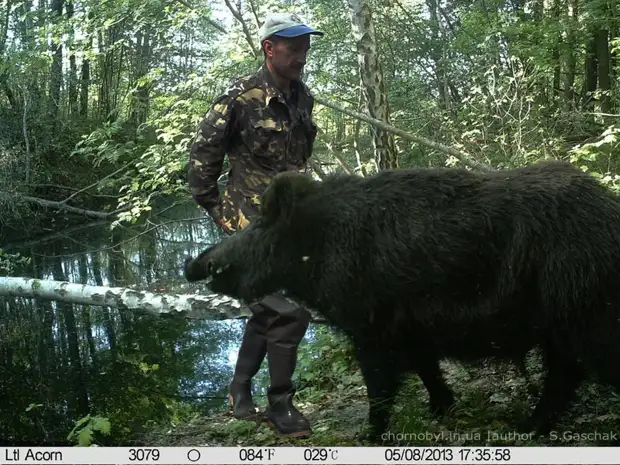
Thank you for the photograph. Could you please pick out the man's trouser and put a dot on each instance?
(276, 328)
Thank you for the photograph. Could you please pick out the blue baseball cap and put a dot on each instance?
(285, 25)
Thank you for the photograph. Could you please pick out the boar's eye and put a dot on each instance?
(213, 269)
(210, 266)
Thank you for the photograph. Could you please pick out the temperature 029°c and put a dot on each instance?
(320, 454)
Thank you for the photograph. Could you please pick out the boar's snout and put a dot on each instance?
(201, 268)
(188, 270)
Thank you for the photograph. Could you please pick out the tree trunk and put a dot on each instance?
(73, 80)
(591, 71)
(556, 90)
(538, 18)
(4, 76)
(602, 56)
(56, 72)
(140, 96)
(613, 34)
(437, 44)
(206, 305)
(373, 84)
(571, 62)
(110, 65)
(85, 78)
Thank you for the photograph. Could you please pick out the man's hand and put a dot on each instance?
(222, 224)
(216, 214)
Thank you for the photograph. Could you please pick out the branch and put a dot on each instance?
(339, 159)
(98, 182)
(24, 244)
(207, 305)
(259, 23)
(246, 31)
(315, 164)
(208, 20)
(68, 188)
(462, 156)
(59, 206)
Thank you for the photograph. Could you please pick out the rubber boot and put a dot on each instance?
(281, 413)
(251, 355)
(287, 326)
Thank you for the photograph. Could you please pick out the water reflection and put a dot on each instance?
(60, 362)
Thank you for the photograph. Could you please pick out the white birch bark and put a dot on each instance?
(207, 305)
(373, 84)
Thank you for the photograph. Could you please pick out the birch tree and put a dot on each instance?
(206, 305)
(373, 83)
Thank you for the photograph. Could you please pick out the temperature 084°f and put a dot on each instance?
(249, 454)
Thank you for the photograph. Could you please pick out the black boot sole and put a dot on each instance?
(295, 435)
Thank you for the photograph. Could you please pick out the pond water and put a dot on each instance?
(60, 362)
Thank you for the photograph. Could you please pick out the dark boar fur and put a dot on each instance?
(423, 264)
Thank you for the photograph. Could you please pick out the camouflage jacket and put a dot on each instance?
(263, 134)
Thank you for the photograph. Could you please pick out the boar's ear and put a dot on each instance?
(283, 193)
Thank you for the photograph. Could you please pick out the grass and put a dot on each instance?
(492, 398)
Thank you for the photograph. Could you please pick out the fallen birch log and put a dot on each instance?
(206, 305)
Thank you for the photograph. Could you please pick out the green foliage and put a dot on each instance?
(9, 262)
(33, 406)
(480, 76)
(504, 81)
(161, 167)
(107, 144)
(499, 118)
(327, 364)
(84, 433)
(600, 157)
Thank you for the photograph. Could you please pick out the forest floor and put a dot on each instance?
(492, 399)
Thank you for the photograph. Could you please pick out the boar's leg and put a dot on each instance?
(383, 373)
(560, 385)
(440, 395)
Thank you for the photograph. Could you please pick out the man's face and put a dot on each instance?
(288, 56)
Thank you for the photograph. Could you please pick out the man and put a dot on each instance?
(264, 123)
